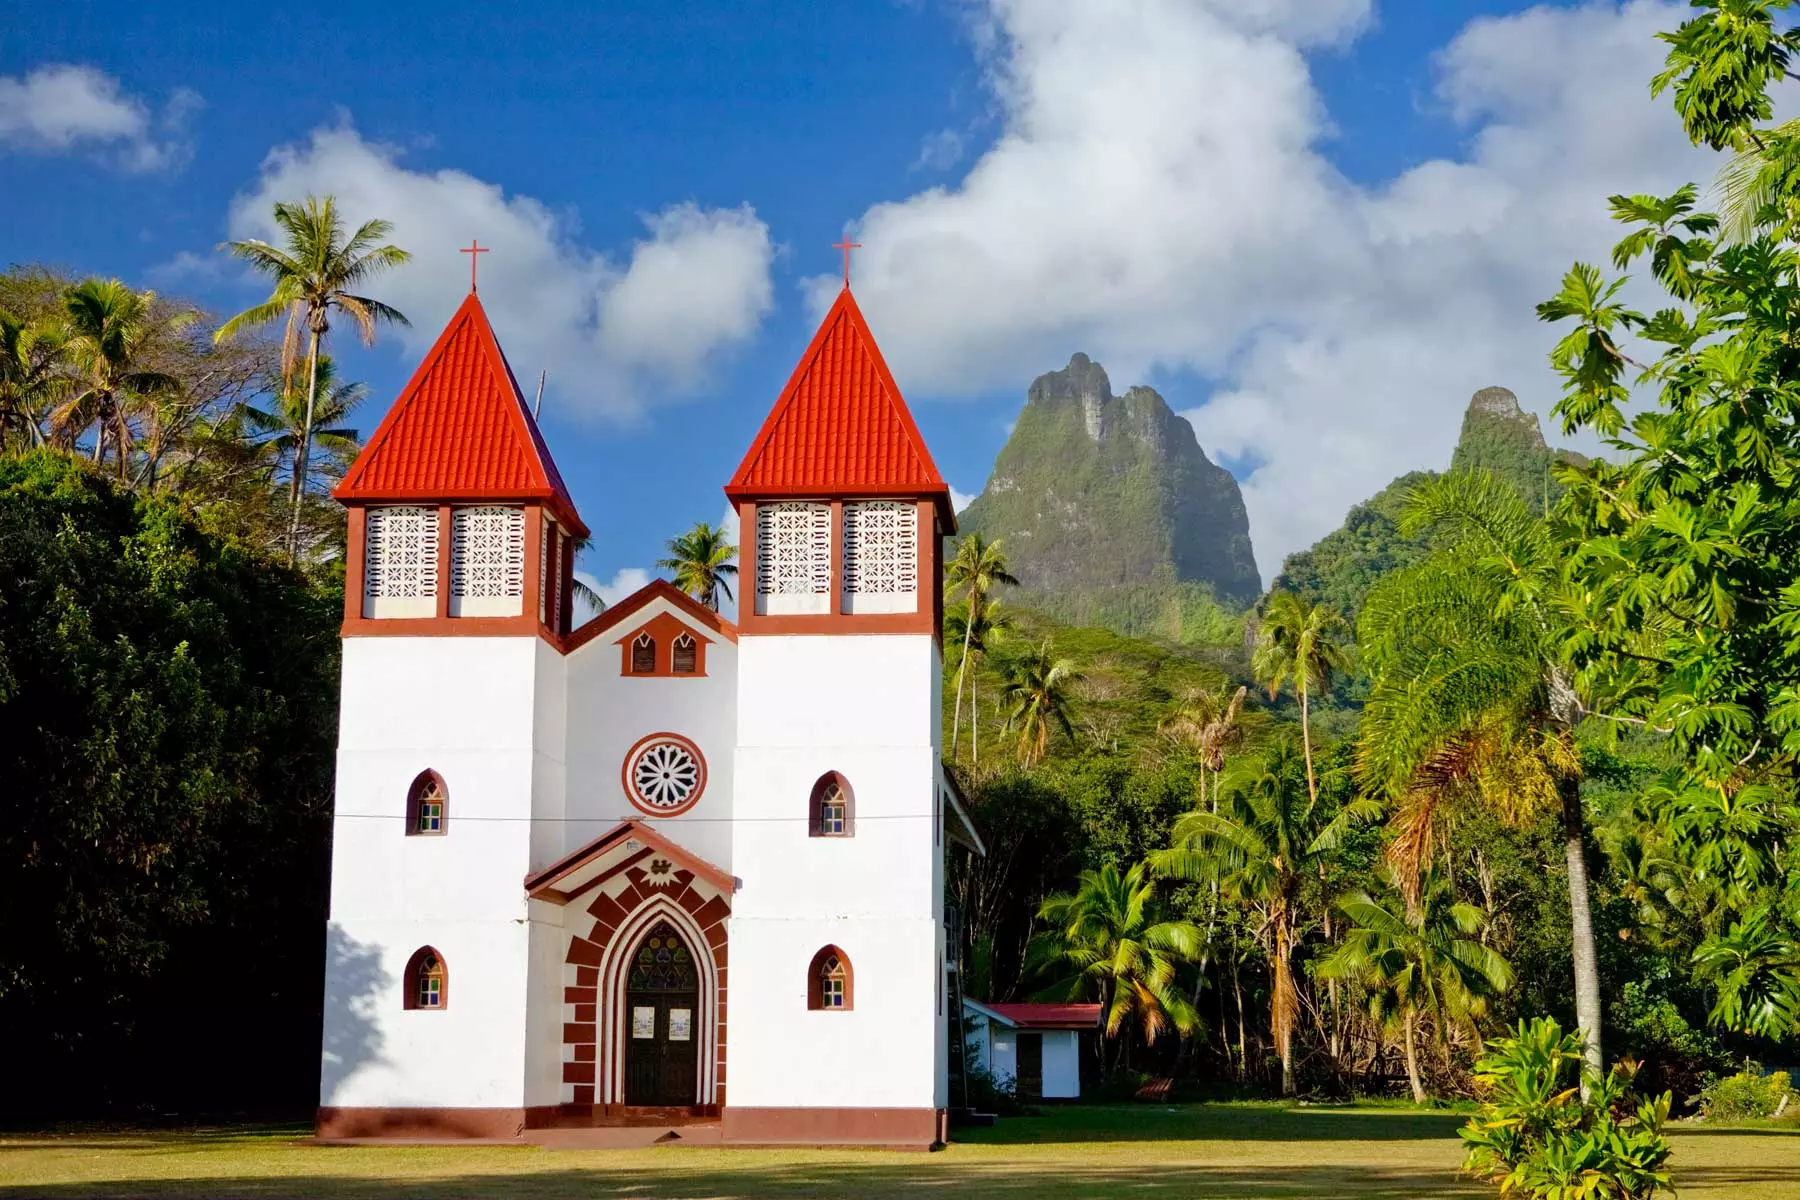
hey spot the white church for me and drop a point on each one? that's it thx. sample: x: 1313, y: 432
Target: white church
x: 657, y: 865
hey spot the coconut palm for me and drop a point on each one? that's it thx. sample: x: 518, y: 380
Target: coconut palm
x: 700, y: 560
x: 978, y: 565
x: 1469, y: 700
x: 1111, y: 940
x: 1418, y: 960
x: 1206, y: 723
x: 972, y: 641
x: 31, y: 356
x: 1036, y: 688
x: 1297, y: 646
x: 108, y: 331
x: 313, y: 278
x: 276, y: 432
x: 1266, y: 837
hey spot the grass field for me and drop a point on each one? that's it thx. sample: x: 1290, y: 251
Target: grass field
x: 1237, y: 1150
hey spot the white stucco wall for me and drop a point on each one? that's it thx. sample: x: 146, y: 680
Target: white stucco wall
x: 465, y: 707
x: 1062, y: 1064
x: 866, y: 707
x: 609, y: 712
x: 996, y: 1047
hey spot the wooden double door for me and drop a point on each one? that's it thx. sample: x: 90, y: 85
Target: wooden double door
x: 662, y: 1022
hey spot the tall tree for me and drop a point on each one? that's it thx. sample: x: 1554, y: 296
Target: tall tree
x: 1267, y: 836
x: 1037, y: 691
x: 1470, y: 695
x: 31, y: 355
x: 972, y: 641
x: 1297, y: 645
x: 978, y: 565
x: 108, y: 331
x: 1423, y: 959
x: 1112, y: 940
x: 700, y: 560
x: 313, y: 278
x: 1206, y: 723
x: 276, y: 432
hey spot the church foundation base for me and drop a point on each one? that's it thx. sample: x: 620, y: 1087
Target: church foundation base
x: 430, y: 1123
x: 900, y: 1128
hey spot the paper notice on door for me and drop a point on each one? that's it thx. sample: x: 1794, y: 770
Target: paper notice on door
x: 643, y: 1021
x: 680, y: 1020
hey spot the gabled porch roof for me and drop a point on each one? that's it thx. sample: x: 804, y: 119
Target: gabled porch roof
x: 622, y: 846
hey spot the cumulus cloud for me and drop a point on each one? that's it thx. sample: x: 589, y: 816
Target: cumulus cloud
x: 617, y: 334
x: 961, y: 500
x: 65, y: 107
x: 624, y: 582
x: 1157, y: 197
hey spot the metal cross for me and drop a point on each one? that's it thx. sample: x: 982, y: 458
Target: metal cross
x: 846, y: 246
x: 472, y: 249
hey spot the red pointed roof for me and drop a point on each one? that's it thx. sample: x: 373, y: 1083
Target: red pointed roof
x: 841, y: 427
x: 460, y: 431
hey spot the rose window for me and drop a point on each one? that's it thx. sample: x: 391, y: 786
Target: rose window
x: 664, y: 774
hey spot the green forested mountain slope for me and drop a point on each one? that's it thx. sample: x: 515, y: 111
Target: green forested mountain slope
x: 1112, y: 514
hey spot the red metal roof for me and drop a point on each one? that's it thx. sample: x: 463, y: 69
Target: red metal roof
x: 1050, y: 1016
x: 460, y: 431
x: 841, y: 427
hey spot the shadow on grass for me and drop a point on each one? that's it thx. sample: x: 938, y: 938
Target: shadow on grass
x: 1217, y: 1123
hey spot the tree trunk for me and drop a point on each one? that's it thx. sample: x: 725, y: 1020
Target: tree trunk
x: 1411, y: 1025
x: 1237, y: 989
x: 302, y: 451
x: 1581, y: 921
x: 1312, y: 789
x: 962, y: 670
x: 974, y: 722
x: 1282, y: 1005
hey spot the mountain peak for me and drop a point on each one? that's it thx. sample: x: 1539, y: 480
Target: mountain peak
x: 1500, y: 403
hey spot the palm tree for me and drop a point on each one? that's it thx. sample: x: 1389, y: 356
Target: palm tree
x: 31, y: 355
x: 107, y: 333
x: 700, y: 560
x: 1469, y: 699
x: 1418, y: 960
x: 1265, y: 838
x: 1206, y: 723
x: 1297, y: 645
x: 277, y: 431
x: 313, y: 277
x: 1111, y: 940
x: 979, y: 565
x: 1037, y: 688
x: 991, y: 626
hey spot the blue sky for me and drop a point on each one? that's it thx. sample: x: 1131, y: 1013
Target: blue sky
x: 666, y: 180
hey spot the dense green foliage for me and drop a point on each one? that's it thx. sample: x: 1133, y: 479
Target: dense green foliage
x: 168, y: 697
x: 1747, y: 1096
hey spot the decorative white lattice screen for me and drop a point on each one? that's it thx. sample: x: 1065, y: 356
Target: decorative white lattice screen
x: 487, y: 561
x: 793, y: 558
x: 881, y: 556
x: 400, y: 562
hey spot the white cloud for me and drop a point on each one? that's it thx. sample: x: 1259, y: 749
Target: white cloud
x: 939, y: 151
x: 63, y: 107
x: 1157, y: 197
x: 617, y: 338
x: 961, y: 500
x: 625, y: 581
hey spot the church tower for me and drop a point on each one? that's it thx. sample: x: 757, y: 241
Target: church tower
x: 450, y: 780
x: 839, y: 798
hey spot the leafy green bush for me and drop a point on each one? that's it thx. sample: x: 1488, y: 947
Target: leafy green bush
x: 1537, y: 1136
x: 1746, y: 1096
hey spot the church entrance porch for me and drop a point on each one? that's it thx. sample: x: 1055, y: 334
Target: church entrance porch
x: 661, y: 996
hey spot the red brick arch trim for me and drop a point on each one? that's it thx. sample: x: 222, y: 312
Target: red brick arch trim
x: 815, y: 980
x: 425, y: 961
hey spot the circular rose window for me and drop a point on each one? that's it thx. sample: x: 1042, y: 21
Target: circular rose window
x: 664, y: 774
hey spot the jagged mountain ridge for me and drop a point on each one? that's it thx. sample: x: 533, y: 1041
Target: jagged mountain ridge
x: 1111, y: 512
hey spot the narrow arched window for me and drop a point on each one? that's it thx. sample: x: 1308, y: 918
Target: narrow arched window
x: 427, y: 804
x: 643, y: 655
x: 833, y: 807
x: 427, y: 981
x: 683, y: 655
x: 828, y: 981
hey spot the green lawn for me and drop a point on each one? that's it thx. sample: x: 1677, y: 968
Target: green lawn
x: 1237, y: 1150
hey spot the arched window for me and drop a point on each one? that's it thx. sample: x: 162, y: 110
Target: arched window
x: 683, y: 655
x: 828, y: 981
x: 833, y: 807
x: 427, y: 804
x: 643, y: 655
x: 427, y: 982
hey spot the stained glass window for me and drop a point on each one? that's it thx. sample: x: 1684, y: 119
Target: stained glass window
x: 663, y: 963
x: 431, y: 984
x: 831, y: 811
x: 426, y: 804
x: 831, y: 983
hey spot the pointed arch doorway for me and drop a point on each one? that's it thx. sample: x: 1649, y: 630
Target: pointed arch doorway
x: 662, y: 1034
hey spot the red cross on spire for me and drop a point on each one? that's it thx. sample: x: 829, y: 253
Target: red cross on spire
x: 472, y: 249
x: 846, y: 246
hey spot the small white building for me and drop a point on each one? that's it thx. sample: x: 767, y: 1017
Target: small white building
x: 657, y: 864
x: 1037, y: 1047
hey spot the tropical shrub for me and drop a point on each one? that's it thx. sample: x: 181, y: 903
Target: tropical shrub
x: 1747, y: 1096
x: 1537, y: 1135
